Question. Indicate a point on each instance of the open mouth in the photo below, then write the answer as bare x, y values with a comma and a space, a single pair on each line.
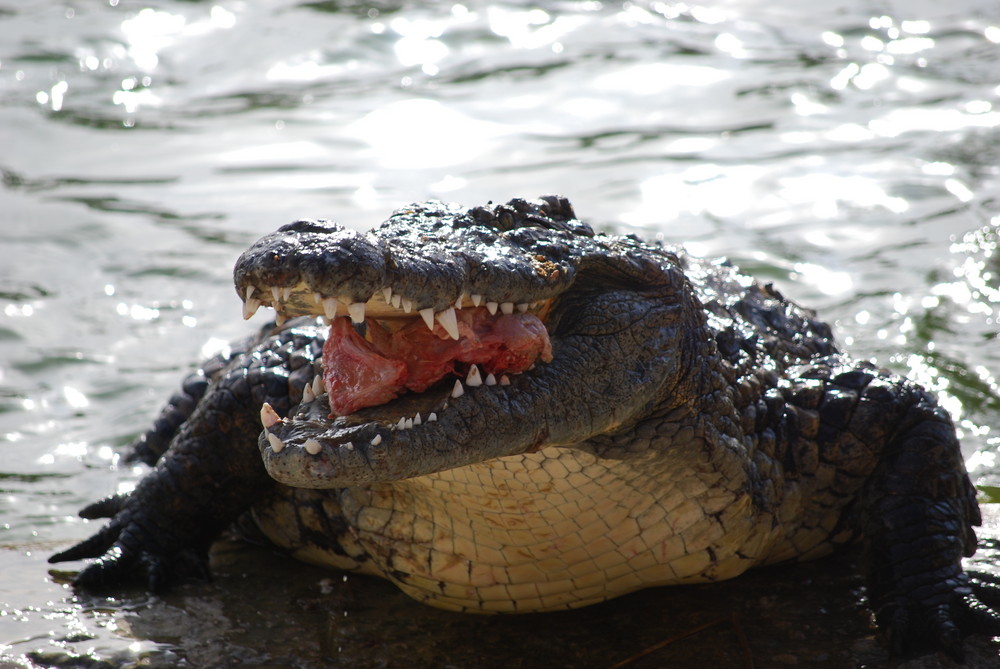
389, 366
375, 361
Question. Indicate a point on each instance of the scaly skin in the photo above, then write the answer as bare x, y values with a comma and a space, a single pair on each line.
691, 424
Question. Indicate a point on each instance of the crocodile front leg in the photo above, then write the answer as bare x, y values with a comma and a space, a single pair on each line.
916, 509
209, 476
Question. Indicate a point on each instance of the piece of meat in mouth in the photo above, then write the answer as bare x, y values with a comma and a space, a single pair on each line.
368, 371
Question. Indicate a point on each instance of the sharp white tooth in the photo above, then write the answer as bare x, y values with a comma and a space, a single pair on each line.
276, 294
491, 380
416, 420
458, 390
286, 292
307, 393
407, 305
461, 298
449, 322
401, 425
507, 307
312, 446
376, 440
318, 298
428, 316
250, 308
268, 416
330, 307
279, 318
492, 307
250, 291
474, 379
476, 300
432, 417
349, 446
387, 294
357, 312
317, 385
504, 380
276, 444
522, 307
409, 423
397, 300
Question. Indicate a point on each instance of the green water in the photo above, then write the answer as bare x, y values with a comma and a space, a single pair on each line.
846, 151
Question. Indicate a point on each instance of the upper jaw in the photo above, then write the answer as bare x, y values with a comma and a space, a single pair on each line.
425, 259
384, 305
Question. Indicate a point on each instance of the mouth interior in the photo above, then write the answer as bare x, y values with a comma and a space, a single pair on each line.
398, 356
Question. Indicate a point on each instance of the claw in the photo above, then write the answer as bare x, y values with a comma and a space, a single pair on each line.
93, 547
105, 508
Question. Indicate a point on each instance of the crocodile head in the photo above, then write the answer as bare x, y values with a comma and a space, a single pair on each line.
458, 336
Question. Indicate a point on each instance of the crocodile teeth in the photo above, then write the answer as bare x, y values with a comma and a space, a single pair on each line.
268, 416
504, 380
461, 298
357, 312
276, 294
449, 322
491, 380
349, 446
318, 298
376, 440
407, 305
507, 308
307, 393
409, 424
286, 292
330, 307
250, 291
401, 425
428, 316
312, 446
277, 445
432, 417
458, 390
279, 318
250, 307
492, 308
474, 379
476, 300
387, 294
397, 301
416, 420
522, 307
317, 385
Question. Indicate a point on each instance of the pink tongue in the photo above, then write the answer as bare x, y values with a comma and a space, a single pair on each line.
367, 372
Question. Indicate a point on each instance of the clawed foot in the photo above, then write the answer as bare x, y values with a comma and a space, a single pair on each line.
127, 553
940, 620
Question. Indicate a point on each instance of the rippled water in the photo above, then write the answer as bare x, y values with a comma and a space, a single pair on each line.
847, 151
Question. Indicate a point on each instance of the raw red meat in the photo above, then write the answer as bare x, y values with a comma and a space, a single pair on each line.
362, 372
355, 374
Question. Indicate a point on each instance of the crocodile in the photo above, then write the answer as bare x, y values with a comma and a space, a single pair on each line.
500, 409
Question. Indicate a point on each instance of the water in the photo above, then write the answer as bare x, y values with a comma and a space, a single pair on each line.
847, 151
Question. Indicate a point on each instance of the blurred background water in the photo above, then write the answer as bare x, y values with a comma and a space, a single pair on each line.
847, 151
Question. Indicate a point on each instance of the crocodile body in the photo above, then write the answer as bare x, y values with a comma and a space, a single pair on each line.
672, 421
